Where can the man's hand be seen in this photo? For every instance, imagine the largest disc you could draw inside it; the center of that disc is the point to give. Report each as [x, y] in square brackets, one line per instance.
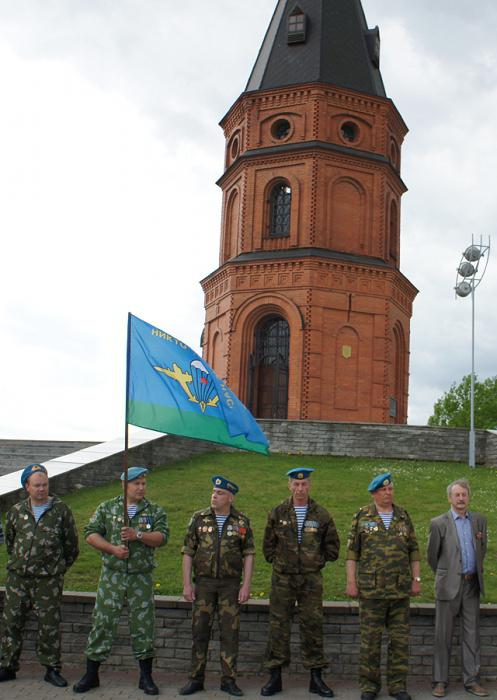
[121, 551]
[415, 587]
[189, 593]
[128, 534]
[244, 593]
[351, 590]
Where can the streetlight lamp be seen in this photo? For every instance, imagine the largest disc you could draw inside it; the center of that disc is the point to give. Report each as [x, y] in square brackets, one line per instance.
[469, 276]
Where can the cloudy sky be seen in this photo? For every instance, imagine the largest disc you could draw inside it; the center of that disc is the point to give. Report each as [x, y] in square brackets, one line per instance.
[109, 153]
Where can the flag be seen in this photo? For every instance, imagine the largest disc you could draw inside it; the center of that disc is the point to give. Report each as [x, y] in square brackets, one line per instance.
[173, 390]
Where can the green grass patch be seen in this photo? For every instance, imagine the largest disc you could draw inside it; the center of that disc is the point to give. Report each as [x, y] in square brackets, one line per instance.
[340, 485]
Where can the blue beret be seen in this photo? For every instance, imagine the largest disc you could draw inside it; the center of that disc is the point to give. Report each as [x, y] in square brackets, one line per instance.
[31, 469]
[379, 481]
[300, 473]
[221, 483]
[134, 473]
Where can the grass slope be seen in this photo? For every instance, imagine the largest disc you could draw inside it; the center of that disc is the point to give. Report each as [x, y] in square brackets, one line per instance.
[340, 485]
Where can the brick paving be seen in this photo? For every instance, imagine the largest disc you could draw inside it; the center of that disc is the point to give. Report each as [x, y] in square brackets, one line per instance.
[29, 685]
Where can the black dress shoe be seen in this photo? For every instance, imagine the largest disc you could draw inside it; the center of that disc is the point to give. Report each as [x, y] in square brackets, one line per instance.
[193, 686]
[53, 676]
[231, 688]
[368, 695]
[7, 674]
[401, 695]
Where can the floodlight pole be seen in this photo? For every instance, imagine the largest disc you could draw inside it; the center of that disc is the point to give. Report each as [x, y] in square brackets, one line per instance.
[469, 270]
[472, 438]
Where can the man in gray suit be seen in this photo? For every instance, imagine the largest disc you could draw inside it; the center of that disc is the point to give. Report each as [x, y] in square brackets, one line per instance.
[456, 548]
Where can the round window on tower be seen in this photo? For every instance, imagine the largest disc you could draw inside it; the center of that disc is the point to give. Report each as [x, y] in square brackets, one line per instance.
[281, 129]
[235, 148]
[350, 132]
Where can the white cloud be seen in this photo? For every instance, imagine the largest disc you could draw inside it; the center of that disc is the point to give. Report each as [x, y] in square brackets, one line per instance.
[109, 153]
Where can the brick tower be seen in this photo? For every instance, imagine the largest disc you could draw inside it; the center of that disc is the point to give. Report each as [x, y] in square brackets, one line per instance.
[307, 315]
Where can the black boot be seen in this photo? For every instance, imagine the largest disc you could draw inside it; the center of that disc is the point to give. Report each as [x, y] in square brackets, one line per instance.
[7, 674]
[53, 676]
[90, 679]
[146, 681]
[193, 686]
[317, 685]
[274, 684]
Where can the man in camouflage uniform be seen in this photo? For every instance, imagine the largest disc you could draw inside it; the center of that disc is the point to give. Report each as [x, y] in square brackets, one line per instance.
[219, 549]
[299, 539]
[383, 571]
[127, 564]
[42, 543]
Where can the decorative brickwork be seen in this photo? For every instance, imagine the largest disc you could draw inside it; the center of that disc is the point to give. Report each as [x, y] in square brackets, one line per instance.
[337, 266]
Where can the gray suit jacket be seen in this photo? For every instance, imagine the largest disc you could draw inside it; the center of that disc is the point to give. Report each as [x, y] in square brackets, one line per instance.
[444, 555]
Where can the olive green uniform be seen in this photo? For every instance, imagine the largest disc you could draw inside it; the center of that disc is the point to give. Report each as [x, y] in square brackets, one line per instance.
[39, 555]
[217, 571]
[384, 581]
[125, 580]
[297, 579]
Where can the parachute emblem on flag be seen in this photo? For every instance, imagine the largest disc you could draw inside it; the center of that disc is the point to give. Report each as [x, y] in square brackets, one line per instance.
[197, 384]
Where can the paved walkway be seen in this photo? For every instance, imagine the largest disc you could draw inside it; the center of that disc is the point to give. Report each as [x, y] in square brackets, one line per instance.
[29, 685]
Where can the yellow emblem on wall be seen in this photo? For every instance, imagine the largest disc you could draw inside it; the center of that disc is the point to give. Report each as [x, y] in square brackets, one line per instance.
[347, 351]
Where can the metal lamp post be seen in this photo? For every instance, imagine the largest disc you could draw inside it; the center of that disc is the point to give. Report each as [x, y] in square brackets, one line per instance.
[469, 276]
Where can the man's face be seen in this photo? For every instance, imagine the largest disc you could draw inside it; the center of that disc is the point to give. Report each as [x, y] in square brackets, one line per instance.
[383, 497]
[136, 489]
[37, 487]
[221, 499]
[299, 488]
[459, 499]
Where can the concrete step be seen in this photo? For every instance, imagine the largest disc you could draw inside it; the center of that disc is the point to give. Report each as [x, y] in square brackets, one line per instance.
[15, 454]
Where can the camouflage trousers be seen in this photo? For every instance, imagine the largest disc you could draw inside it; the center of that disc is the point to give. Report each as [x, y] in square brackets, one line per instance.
[114, 589]
[213, 594]
[375, 615]
[42, 594]
[307, 591]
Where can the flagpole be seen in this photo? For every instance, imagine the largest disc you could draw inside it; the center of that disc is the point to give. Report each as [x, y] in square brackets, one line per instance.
[126, 426]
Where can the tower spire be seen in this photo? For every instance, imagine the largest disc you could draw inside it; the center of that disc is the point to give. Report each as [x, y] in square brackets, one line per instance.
[326, 41]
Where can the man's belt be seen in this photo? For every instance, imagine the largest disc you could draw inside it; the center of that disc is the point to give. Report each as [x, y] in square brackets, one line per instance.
[468, 577]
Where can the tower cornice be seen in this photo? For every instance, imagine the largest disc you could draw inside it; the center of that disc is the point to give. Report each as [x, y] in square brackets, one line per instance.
[304, 147]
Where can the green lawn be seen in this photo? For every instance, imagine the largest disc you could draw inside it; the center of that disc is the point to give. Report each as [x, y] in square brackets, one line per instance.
[340, 484]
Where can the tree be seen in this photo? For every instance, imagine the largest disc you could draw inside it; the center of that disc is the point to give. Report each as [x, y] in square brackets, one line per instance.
[453, 408]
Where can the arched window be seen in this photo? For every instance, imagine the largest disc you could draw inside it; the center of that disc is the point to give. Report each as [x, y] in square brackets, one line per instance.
[394, 231]
[280, 205]
[269, 368]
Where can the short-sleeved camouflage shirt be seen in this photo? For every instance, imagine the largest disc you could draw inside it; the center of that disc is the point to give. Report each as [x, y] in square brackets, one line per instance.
[108, 520]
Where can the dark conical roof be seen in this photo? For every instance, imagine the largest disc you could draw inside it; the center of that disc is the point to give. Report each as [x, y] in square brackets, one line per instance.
[336, 47]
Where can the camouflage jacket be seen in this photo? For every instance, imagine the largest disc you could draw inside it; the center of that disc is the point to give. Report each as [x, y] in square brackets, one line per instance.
[320, 542]
[44, 548]
[108, 520]
[214, 556]
[383, 556]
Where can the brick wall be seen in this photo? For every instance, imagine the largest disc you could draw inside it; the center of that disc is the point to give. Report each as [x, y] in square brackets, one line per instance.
[173, 637]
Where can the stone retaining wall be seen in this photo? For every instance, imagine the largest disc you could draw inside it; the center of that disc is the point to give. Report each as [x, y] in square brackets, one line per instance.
[295, 437]
[491, 451]
[376, 440]
[173, 638]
